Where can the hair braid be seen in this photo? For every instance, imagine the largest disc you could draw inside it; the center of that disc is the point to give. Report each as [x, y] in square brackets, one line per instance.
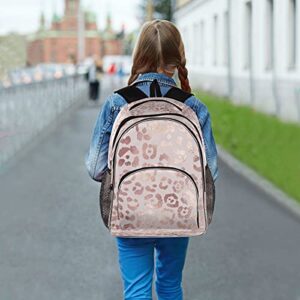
[183, 77]
[182, 70]
[133, 75]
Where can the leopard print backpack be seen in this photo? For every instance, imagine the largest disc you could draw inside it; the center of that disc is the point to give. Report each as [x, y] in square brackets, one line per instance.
[157, 183]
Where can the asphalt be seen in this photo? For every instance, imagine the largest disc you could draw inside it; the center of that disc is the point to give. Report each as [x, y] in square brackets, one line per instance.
[53, 244]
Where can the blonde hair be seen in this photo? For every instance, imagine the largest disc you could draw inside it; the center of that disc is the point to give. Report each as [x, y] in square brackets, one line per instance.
[160, 46]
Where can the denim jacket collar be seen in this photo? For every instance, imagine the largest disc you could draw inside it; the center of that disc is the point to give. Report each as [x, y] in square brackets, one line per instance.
[160, 77]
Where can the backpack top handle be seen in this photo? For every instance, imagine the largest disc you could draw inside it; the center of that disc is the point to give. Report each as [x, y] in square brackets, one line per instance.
[155, 89]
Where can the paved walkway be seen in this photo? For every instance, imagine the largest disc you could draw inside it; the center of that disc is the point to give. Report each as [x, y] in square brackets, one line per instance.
[53, 244]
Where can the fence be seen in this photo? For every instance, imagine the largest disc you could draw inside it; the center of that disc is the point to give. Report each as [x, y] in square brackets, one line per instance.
[25, 110]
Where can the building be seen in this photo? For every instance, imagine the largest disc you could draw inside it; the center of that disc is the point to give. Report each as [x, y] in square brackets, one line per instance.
[71, 38]
[248, 50]
[112, 42]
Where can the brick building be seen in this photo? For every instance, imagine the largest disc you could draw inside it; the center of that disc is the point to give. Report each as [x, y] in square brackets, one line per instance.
[72, 37]
[112, 43]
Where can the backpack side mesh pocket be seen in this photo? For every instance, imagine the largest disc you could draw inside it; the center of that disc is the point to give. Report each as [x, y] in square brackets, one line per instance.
[210, 194]
[105, 197]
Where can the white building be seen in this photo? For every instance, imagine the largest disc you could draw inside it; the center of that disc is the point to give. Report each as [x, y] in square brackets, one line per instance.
[248, 50]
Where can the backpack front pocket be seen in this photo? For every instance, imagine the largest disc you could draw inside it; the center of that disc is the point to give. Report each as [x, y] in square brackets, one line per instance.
[157, 198]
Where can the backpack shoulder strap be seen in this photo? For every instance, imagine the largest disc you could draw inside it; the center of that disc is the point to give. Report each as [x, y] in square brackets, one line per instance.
[177, 94]
[131, 93]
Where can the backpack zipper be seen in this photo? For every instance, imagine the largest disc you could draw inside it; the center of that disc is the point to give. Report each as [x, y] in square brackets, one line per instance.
[144, 120]
[155, 99]
[153, 115]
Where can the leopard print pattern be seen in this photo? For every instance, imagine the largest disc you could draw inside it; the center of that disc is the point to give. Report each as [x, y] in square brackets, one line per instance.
[141, 207]
[148, 108]
[156, 198]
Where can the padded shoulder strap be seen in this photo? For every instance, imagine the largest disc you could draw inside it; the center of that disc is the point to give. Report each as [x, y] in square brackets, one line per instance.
[131, 93]
[177, 94]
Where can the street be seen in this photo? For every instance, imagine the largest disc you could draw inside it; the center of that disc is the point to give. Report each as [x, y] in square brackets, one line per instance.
[54, 245]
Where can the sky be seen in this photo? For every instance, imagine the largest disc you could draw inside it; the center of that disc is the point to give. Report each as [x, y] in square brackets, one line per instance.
[23, 15]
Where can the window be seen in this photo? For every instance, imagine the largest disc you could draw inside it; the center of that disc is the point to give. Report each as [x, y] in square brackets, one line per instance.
[195, 44]
[292, 33]
[225, 38]
[202, 42]
[248, 35]
[215, 41]
[53, 55]
[269, 38]
[185, 40]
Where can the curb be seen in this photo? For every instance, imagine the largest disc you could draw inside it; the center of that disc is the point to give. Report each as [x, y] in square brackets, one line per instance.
[276, 194]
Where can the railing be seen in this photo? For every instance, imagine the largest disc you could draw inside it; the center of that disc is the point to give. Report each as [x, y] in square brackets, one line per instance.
[25, 110]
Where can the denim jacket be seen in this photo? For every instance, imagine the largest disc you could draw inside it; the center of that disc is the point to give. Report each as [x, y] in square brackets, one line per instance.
[96, 158]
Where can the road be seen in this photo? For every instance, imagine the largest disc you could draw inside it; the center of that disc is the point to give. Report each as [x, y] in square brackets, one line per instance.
[53, 244]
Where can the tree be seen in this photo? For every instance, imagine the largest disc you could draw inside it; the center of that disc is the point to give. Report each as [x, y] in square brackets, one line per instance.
[164, 9]
[156, 9]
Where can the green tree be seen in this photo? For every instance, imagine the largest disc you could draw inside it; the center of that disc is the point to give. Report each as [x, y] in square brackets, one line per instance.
[162, 9]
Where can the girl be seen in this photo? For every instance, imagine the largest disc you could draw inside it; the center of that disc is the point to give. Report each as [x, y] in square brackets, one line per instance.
[159, 54]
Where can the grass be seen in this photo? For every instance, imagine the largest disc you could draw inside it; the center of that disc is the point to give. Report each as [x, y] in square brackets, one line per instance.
[268, 145]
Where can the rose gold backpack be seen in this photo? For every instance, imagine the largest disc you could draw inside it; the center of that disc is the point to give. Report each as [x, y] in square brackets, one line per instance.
[158, 183]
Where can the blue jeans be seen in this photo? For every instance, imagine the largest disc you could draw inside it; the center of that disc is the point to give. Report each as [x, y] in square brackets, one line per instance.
[136, 259]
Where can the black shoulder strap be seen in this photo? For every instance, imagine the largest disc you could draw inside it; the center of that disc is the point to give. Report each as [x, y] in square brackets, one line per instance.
[131, 93]
[177, 94]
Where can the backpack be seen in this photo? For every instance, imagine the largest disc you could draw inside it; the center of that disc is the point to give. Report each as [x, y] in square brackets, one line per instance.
[157, 183]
